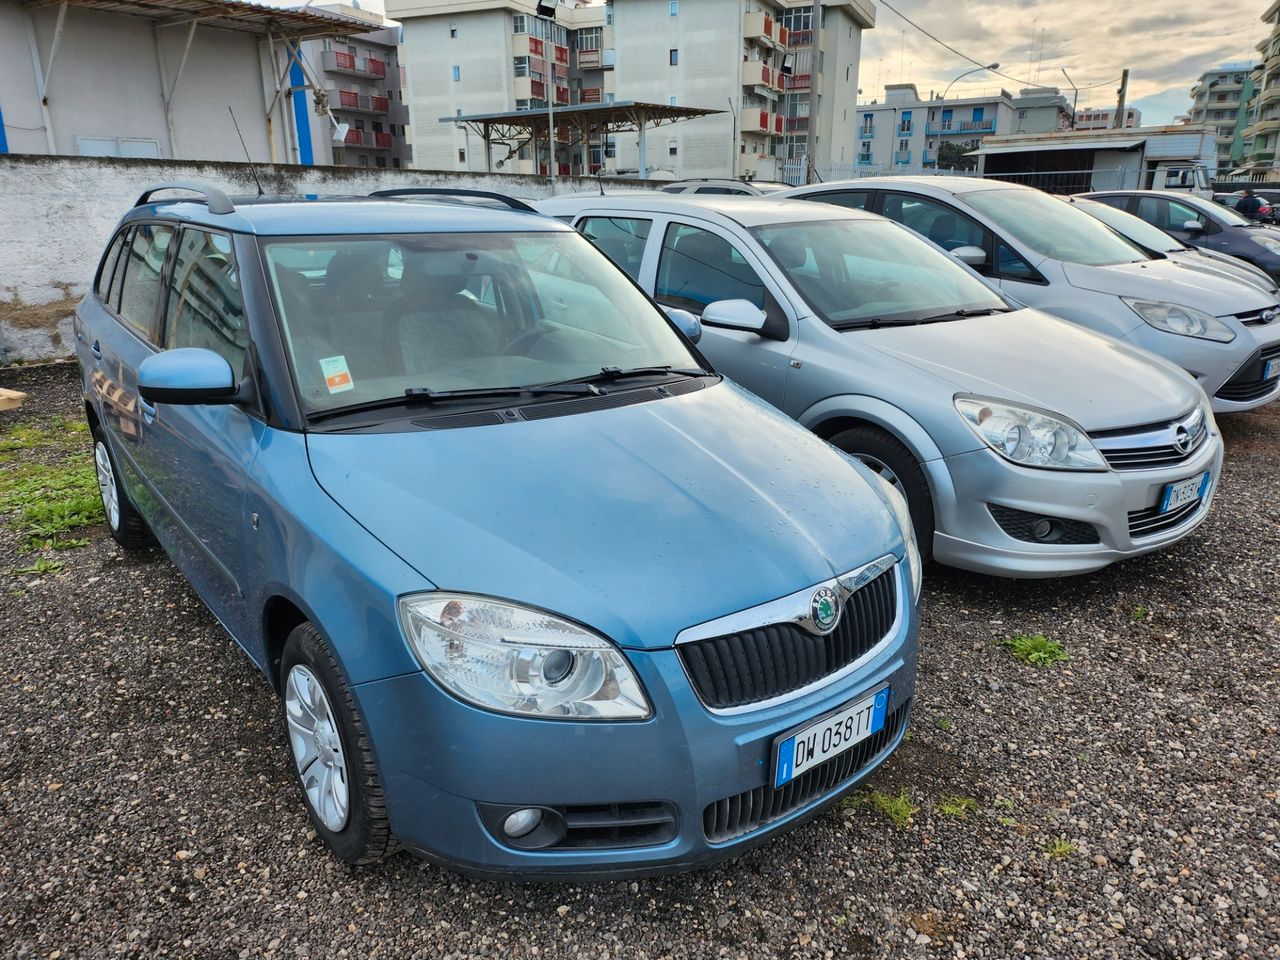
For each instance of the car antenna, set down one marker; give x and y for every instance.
(248, 159)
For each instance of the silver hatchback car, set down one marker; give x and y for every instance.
(1026, 446)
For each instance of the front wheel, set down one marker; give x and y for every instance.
(331, 751)
(887, 456)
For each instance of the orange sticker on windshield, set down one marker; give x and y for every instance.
(336, 375)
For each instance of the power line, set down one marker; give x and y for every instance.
(965, 56)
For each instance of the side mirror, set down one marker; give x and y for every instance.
(736, 314)
(689, 325)
(1193, 226)
(973, 256)
(187, 375)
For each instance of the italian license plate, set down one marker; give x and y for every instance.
(799, 750)
(1272, 369)
(1182, 492)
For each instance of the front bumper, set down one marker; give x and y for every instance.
(1218, 365)
(439, 759)
(968, 536)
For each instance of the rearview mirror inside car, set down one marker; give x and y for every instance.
(738, 314)
(973, 256)
(187, 375)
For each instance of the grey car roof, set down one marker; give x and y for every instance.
(944, 183)
(746, 211)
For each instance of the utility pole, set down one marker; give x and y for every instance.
(811, 140)
(1075, 98)
(1117, 122)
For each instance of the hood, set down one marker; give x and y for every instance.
(637, 521)
(1032, 358)
(1198, 258)
(1167, 281)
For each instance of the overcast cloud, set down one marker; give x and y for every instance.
(1094, 40)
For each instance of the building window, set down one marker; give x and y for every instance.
(590, 38)
(521, 66)
(457, 72)
(673, 9)
(519, 24)
(462, 156)
(453, 31)
(673, 57)
(672, 150)
(364, 161)
(608, 12)
(610, 149)
(380, 161)
(395, 162)
(674, 101)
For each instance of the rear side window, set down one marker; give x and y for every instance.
(1119, 202)
(206, 308)
(697, 268)
(140, 293)
(721, 191)
(621, 239)
(853, 199)
(105, 272)
(937, 221)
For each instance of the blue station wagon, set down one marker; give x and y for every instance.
(543, 595)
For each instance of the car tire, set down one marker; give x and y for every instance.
(887, 456)
(123, 520)
(331, 752)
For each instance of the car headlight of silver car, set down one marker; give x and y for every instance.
(1184, 321)
(1270, 245)
(897, 503)
(514, 659)
(1031, 438)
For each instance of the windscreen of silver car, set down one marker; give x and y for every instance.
(1054, 229)
(436, 313)
(869, 273)
(1127, 225)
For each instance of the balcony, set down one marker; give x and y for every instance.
(941, 128)
(755, 73)
(796, 81)
(762, 122)
(902, 156)
(800, 38)
(759, 26)
(1263, 156)
(352, 102)
(368, 140)
(335, 61)
(591, 95)
(929, 158)
(864, 160)
(589, 59)
(796, 124)
(867, 132)
(562, 55)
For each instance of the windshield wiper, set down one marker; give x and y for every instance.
(868, 323)
(610, 374)
(427, 395)
(963, 313)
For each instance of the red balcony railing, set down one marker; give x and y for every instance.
(382, 140)
(768, 26)
(562, 54)
(537, 88)
(381, 104)
(537, 48)
(355, 137)
(777, 124)
(348, 98)
(797, 81)
(589, 59)
(562, 94)
(563, 169)
(589, 95)
(377, 67)
(764, 119)
(801, 38)
(783, 34)
(346, 61)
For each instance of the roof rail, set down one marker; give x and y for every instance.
(511, 202)
(217, 200)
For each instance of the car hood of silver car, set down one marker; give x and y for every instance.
(1031, 358)
(1165, 281)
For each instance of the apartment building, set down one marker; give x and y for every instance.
(905, 132)
(755, 60)
(1220, 100)
(1100, 118)
(362, 83)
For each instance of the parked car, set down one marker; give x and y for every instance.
(1162, 246)
(1026, 446)
(1045, 254)
(543, 594)
(1202, 223)
(742, 188)
(1269, 212)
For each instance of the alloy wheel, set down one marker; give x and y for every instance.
(107, 484)
(317, 748)
(885, 471)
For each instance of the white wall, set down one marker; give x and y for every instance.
(56, 213)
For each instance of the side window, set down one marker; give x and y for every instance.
(723, 191)
(1180, 213)
(697, 268)
(1011, 266)
(103, 287)
(936, 221)
(117, 278)
(206, 308)
(853, 199)
(621, 239)
(141, 291)
(1119, 202)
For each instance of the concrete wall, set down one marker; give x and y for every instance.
(56, 213)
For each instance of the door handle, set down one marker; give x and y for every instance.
(148, 411)
(96, 349)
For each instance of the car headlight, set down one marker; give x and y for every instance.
(1272, 246)
(897, 504)
(513, 659)
(1184, 321)
(1029, 437)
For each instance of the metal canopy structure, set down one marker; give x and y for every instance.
(517, 127)
(288, 25)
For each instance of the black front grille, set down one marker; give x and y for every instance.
(1146, 457)
(752, 809)
(1257, 318)
(754, 665)
(1024, 526)
(1248, 383)
(1149, 522)
(617, 825)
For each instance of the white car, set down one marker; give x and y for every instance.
(1046, 254)
(727, 188)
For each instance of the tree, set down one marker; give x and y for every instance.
(951, 155)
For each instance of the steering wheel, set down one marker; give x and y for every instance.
(521, 342)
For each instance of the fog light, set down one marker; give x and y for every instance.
(1042, 529)
(522, 822)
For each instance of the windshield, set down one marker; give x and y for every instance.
(366, 318)
(1126, 224)
(1052, 228)
(863, 270)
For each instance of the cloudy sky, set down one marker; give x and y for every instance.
(1165, 48)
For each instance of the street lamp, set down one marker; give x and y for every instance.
(989, 66)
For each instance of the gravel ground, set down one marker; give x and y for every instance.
(1125, 801)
